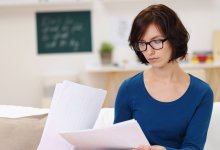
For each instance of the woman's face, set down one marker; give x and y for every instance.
(157, 58)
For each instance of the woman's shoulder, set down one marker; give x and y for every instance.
(199, 84)
(134, 80)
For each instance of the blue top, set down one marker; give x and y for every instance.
(178, 125)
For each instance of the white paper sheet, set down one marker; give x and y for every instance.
(125, 135)
(73, 107)
(11, 111)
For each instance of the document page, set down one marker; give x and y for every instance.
(124, 135)
(74, 107)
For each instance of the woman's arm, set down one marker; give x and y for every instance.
(122, 108)
(198, 127)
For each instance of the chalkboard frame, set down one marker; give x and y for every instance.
(64, 32)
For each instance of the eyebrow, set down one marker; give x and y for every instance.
(153, 38)
(157, 36)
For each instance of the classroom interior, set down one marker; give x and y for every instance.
(28, 78)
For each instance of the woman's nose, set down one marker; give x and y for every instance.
(150, 50)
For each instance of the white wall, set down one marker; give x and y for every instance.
(23, 72)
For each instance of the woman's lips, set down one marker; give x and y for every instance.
(152, 59)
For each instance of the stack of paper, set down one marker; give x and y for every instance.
(124, 135)
(74, 107)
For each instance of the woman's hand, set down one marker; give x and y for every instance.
(154, 147)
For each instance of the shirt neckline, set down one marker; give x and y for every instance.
(152, 99)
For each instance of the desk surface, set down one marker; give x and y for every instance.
(141, 67)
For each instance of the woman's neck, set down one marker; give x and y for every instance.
(169, 73)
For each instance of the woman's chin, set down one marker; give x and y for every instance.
(158, 65)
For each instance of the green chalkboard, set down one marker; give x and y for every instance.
(63, 32)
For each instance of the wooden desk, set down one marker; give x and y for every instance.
(116, 75)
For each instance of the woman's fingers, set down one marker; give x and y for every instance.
(142, 147)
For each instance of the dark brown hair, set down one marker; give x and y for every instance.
(168, 23)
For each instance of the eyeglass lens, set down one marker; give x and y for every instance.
(155, 44)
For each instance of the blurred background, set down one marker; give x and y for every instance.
(32, 61)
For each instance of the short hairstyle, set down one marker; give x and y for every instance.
(167, 22)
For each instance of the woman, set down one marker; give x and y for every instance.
(172, 107)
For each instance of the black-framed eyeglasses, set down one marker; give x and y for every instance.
(155, 44)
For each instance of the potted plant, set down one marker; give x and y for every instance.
(106, 50)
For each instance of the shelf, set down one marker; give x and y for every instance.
(81, 4)
(141, 67)
(200, 65)
(123, 1)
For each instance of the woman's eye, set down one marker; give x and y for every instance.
(141, 44)
(156, 41)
